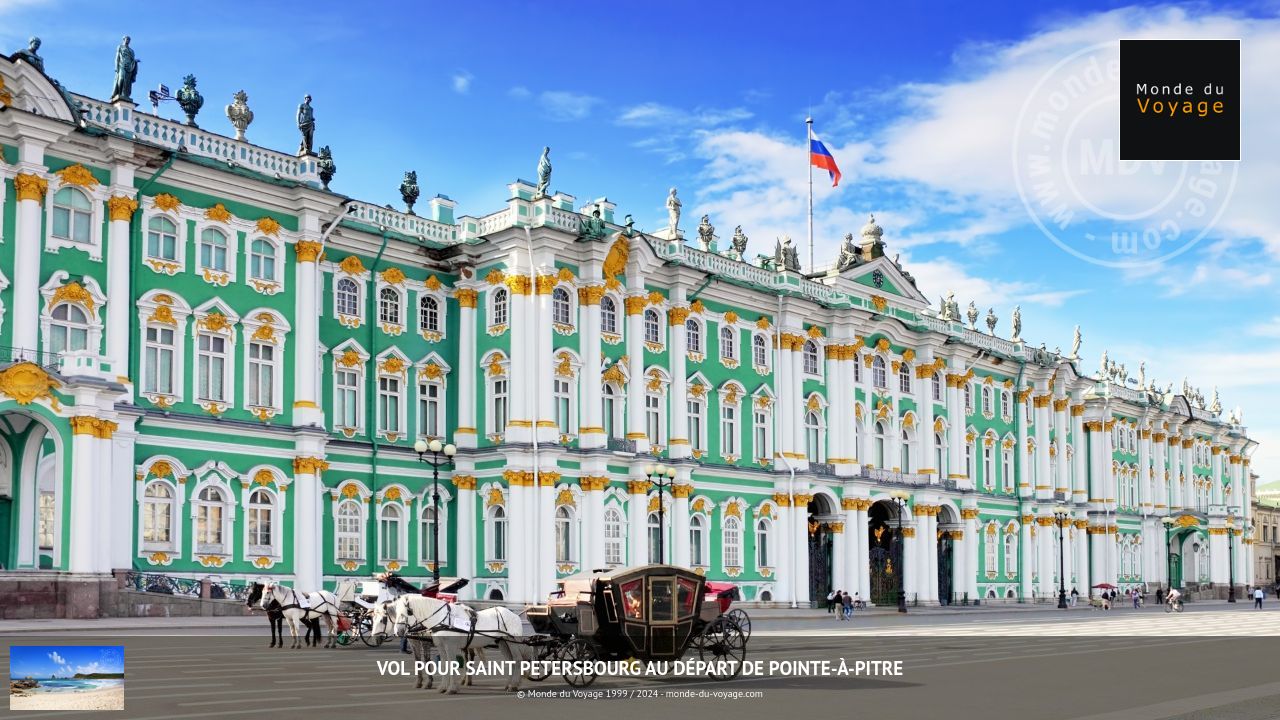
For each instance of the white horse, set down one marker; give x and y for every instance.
(457, 629)
(298, 607)
(421, 643)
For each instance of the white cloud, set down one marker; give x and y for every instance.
(54, 656)
(519, 92)
(652, 114)
(462, 82)
(566, 106)
(1267, 328)
(93, 667)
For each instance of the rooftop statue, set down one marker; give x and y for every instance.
(326, 167)
(409, 189)
(992, 320)
(592, 228)
(306, 126)
(707, 235)
(239, 114)
(30, 56)
(126, 72)
(673, 214)
(1216, 406)
(629, 226)
(544, 173)
(785, 255)
(1017, 323)
(1142, 373)
(1103, 367)
(190, 99)
(1075, 346)
(739, 242)
(848, 254)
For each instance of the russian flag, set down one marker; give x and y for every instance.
(820, 157)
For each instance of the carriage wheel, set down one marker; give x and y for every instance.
(743, 620)
(344, 638)
(545, 652)
(579, 650)
(364, 628)
(723, 641)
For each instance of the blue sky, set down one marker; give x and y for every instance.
(917, 101)
(41, 661)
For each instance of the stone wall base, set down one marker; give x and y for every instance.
(44, 595)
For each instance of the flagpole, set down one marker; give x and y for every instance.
(808, 122)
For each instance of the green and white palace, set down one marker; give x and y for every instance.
(214, 366)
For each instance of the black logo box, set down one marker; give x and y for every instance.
(1160, 77)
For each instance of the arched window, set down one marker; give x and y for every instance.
(428, 314)
(697, 542)
(810, 357)
(611, 403)
(389, 531)
(988, 465)
(261, 523)
(260, 390)
(732, 528)
(211, 367)
(560, 307)
(937, 386)
(565, 550)
(968, 399)
(904, 461)
(347, 531)
(1004, 404)
(728, 344)
(1010, 554)
(760, 351)
(162, 239)
(763, 527)
(652, 326)
(656, 549)
(728, 428)
(389, 306)
(68, 328)
(429, 533)
(499, 307)
(986, 400)
(880, 440)
(904, 378)
(878, 377)
(262, 260)
(213, 250)
(990, 551)
(939, 454)
(813, 436)
(348, 297)
(72, 216)
(608, 315)
(209, 526)
(497, 545)
(614, 537)
(157, 516)
(693, 336)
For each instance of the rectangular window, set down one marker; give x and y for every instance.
(159, 361)
(261, 390)
(429, 409)
(653, 420)
(695, 425)
(210, 366)
(349, 536)
(47, 508)
(499, 406)
(260, 529)
(728, 430)
(389, 404)
(563, 406)
(345, 402)
(209, 528)
(761, 435)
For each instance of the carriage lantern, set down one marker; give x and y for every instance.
(437, 450)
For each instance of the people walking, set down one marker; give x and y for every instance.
(1075, 597)
(1159, 596)
(847, 606)
(831, 600)
(1257, 598)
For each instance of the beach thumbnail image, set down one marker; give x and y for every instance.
(66, 677)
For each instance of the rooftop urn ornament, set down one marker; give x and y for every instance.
(673, 215)
(190, 99)
(972, 315)
(306, 126)
(707, 234)
(30, 55)
(872, 242)
(326, 167)
(409, 189)
(126, 72)
(848, 254)
(544, 173)
(239, 114)
(739, 242)
(1017, 323)
(992, 320)
(1075, 346)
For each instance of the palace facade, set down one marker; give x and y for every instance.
(216, 366)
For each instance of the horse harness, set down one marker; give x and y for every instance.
(295, 605)
(418, 626)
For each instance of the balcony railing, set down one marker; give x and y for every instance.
(890, 476)
(47, 360)
(621, 445)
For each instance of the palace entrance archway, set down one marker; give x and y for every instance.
(821, 548)
(885, 553)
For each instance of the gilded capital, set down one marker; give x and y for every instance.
(677, 316)
(546, 283)
(590, 294)
(309, 466)
(635, 304)
(638, 487)
(30, 187)
(466, 297)
(120, 207)
(307, 250)
(519, 284)
(464, 482)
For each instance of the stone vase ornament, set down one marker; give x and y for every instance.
(325, 166)
(409, 189)
(190, 99)
(239, 114)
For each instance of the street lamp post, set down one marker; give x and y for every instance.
(440, 455)
(657, 474)
(899, 498)
(1168, 556)
(1061, 516)
(1231, 558)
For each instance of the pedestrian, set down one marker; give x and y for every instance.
(858, 603)
(1075, 597)
(1159, 596)
(1134, 594)
(1257, 598)
(847, 602)
(831, 601)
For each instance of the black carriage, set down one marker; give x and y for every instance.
(646, 613)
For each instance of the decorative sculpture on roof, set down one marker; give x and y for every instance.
(126, 72)
(239, 114)
(739, 243)
(326, 167)
(1216, 406)
(593, 227)
(1017, 323)
(785, 255)
(629, 226)
(972, 315)
(190, 99)
(544, 173)
(1142, 373)
(673, 214)
(992, 320)
(872, 244)
(306, 125)
(848, 254)
(1186, 387)
(409, 189)
(948, 309)
(1122, 375)
(707, 234)
(30, 56)
(1234, 417)
(1076, 339)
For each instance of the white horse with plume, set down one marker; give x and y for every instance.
(457, 630)
(297, 607)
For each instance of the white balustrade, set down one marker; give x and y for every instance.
(405, 223)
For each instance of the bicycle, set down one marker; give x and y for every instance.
(1173, 606)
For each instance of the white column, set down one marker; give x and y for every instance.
(839, 578)
(1098, 545)
(1061, 427)
(305, 503)
(678, 440)
(1047, 531)
(520, 560)
(464, 530)
(1216, 475)
(836, 407)
(782, 534)
(81, 555)
(1083, 581)
(120, 493)
(1025, 549)
(958, 421)
(638, 518)
(929, 580)
(465, 433)
(1044, 476)
(1020, 449)
(591, 424)
(864, 549)
(635, 305)
(800, 547)
(544, 578)
(593, 487)
(520, 419)
(799, 459)
(120, 210)
(1080, 452)
(783, 417)
(1145, 488)
(854, 537)
(678, 546)
(306, 327)
(1159, 475)
(31, 188)
(545, 370)
(971, 540)
(1188, 472)
(1175, 472)
(910, 560)
(924, 410)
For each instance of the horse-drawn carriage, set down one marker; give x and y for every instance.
(357, 618)
(651, 612)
